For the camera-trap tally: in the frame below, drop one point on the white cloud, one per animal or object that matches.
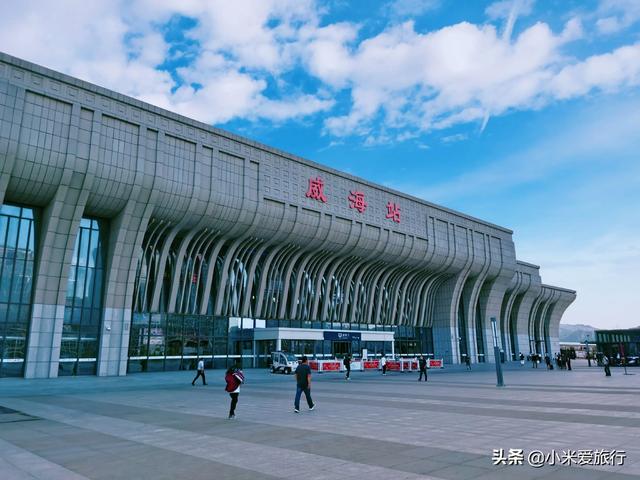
(610, 71)
(401, 82)
(437, 79)
(503, 9)
(119, 45)
(412, 8)
(617, 15)
(509, 10)
(458, 137)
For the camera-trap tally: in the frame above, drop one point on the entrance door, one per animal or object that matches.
(340, 349)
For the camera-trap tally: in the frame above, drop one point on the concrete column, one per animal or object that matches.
(58, 232)
(9, 132)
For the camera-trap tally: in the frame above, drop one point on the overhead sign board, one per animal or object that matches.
(342, 336)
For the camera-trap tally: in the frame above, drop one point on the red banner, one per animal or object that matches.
(371, 364)
(433, 363)
(330, 366)
(393, 365)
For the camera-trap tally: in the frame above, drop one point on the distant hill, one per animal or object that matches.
(576, 333)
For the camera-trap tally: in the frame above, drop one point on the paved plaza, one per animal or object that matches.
(158, 426)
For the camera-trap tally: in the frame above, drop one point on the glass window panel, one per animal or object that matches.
(84, 293)
(157, 335)
(82, 246)
(12, 314)
(174, 335)
(86, 368)
(5, 284)
(14, 347)
(93, 249)
(12, 236)
(98, 280)
(190, 336)
(71, 286)
(139, 335)
(220, 346)
(28, 281)
(13, 369)
(23, 316)
(88, 347)
(88, 287)
(69, 347)
(18, 277)
(78, 291)
(10, 210)
(3, 233)
(23, 236)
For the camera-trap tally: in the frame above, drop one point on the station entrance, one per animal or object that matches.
(339, 348)
(321, 344)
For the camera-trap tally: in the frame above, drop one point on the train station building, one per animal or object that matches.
(134, 239)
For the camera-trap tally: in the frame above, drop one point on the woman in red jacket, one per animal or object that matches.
(234, 379)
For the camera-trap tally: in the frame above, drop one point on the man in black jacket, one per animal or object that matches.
(347, 364)
(423, 368)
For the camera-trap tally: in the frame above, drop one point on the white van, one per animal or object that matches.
(283, 362)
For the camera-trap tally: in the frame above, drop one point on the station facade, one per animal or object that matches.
(134, 239)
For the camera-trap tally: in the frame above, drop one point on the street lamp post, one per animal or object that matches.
(496, 353)
(586, 348)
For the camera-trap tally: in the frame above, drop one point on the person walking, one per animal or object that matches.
(521, 359)
(605, 362)
(589, 359)
(534, 359)
(234, 378)
(568, 362)
(383, 363)
(467, 361)
(347, 364)
(547, 361)
(200, 373)
(303, 381)
(422, 363)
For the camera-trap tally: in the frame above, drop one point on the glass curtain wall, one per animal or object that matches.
(479, 335)
(83, 306)
(462, 332)
(161, 341)
(17, 252)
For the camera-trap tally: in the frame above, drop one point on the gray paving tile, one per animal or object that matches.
(157, 426)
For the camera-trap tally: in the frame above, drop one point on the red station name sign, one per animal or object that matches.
(355, 198)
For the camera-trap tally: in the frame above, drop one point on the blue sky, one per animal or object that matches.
(522, 113)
